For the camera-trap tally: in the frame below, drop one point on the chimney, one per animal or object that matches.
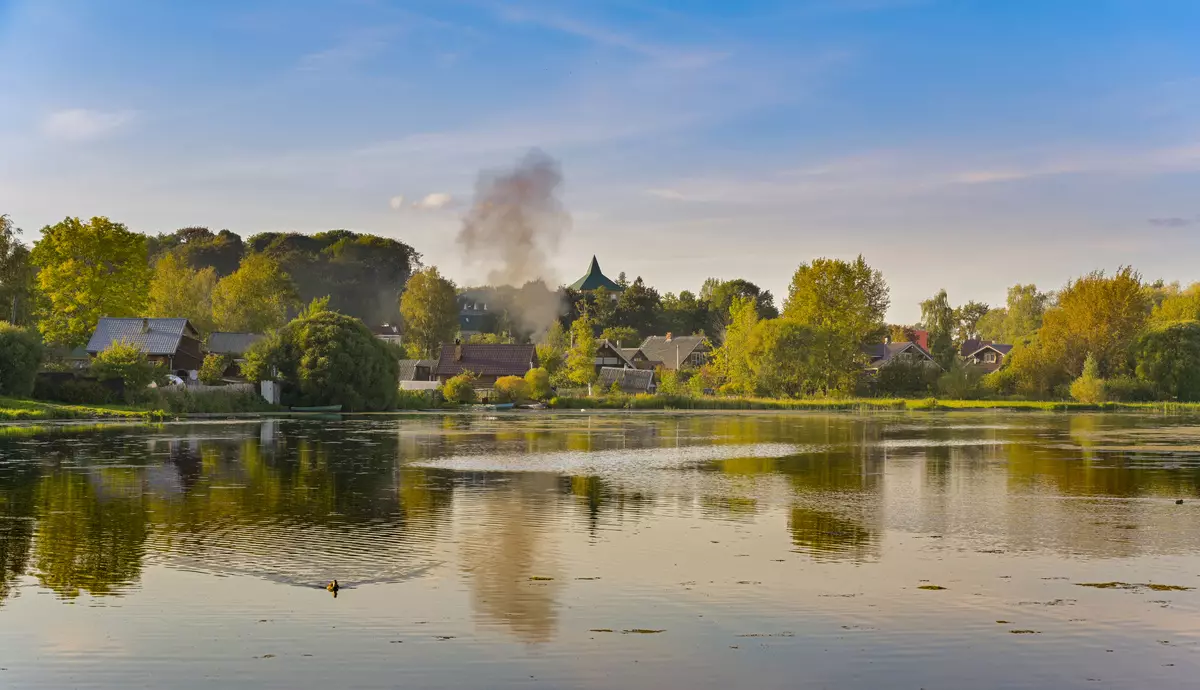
(457, 350)
(145, 325)
(668, 338)
(887, 340)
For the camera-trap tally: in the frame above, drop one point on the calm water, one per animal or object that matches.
(765, 551)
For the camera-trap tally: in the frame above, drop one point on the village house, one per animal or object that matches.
(487, 361)
(389, 333)
(882, 354)
(638, 359)
(985, 354)
(234, 346)
(627, 379)
(174, 343)
(677, 352)
(417, 374)
(609, 355)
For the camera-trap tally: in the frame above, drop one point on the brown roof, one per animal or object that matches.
(881, 354)
(487, 360)
(678, 348)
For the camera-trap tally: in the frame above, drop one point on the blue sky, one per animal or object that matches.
(963, 144)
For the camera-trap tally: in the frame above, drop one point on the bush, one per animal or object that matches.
(73, 389)
(416, 400)
(128, 363)
(182, 399)
(460, 389)
(213, 369)
(537, 382)
(327, 358)
(960, 382)
(901, 379)
(1128, 389)
(20, 356)
(1168, 358)
(511, 389)
(1089, 387)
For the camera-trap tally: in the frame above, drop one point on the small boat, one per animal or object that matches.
(317, 408)
(502, 406)
(492, 407)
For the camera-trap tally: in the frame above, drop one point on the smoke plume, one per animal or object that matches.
(514, 224)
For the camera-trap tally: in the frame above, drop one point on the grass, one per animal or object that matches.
(12, 409)
(671, 402)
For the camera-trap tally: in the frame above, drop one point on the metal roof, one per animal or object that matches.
(628, 379)
(408, 368)
(671, 352)
(152, 336)
(594, 279)
(223, 343)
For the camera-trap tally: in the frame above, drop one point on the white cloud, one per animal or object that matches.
(435, 201)
(396, 202)
(81, 124)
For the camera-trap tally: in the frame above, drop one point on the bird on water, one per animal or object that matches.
(1179, 501)
(333, 587)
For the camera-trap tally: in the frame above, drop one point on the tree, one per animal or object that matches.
(491, 339)
(17, 276)
(511, 389)
(621, 336)
(937, 317)
(1089, 387)
(906, 379)
(1098, 316)
(733, 361)
(178, 290)
(581, 359)
(255, 298)
(20, 356)
(991, 326)
(638, 308)
(784, 359)
(212, 370)
(200, 248)
(601, 308)
(88, 270)
(967, 318)
(537, 382)
(429, 307)
(719, 295)
(902, 334)
(1167, 357)
(328, 359)
(1181, 306)
(1025, 310)
(128, 363)
(683, 314)
(552, 351)
(460, 389)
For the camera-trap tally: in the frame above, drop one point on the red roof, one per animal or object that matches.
(487, 360)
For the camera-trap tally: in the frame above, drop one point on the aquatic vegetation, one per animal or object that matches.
(1025, 632)
(536, 578)
(931, 587)
(601, 630)
(1130, 585)
(641, 631)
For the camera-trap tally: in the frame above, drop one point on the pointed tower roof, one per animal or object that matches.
(595, 279)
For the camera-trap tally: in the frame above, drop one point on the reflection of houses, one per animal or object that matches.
(676, 352)
(173, 342)
(628, 379)
(594, 279)
(882, 354)
(488, 362)
(233, 346)
(984, 353)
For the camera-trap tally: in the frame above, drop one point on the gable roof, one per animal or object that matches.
(630, 352)
(612, 347)
(152, 336)
(973, 346)
(408, 368)
(487, 360)
(627, 379)
(223, 343)
(883, 353)
(657, 348)
(594, 279)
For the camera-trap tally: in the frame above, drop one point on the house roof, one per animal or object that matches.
(594, 279)
(227, 343)
(882, 353)
(487, 360)
(152, 336)
(630, 352)
(386, 329)
(974, 345)
(408, 367)
(659, 349)
(627, 379)
(618, 351)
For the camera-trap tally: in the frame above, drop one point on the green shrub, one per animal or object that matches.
(74, 389)
(1168, 358)
(1128, 389)
(128, 363)
(1089, 387)
(537, 383)
(460, 389)
(213, 369)
(20, 356)
(182, 399)
(906, 379)
(511, 389)
(327, 358)
(960, 382)
(416, 400)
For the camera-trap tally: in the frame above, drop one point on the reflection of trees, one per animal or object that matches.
(17, 508)
(824, 535)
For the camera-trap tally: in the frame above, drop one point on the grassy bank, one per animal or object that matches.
(12, 409)
(664, 402)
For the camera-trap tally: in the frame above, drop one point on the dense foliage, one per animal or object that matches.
(128, 363)
(537, 383)
(255, 298)
(1167, 359)
(460, 389)
(327, 358)
(213, 369)
(20, 356)
(511, 389)
(429, 309)
(178, 290)
(16, 276)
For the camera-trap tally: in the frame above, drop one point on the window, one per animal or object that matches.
(989, 357)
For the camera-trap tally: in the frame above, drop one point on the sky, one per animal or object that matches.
(958, 144)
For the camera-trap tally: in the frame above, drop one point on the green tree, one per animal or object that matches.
(683, 314)
(88, 270)
(621, 336)
(429, 307)
(537, 382)
(733, 361)
(460, 389)
(491, 339)
(1026, 307)
(991, 326)
(200, 248)
(328, 359)
(127, 362)
(784, 360)
(178, 290)
(1099, 316)
(212, 370)
(601, 308)
(1089, 387)
(1167, 357)
(967, 318)
(906, 379)
(20, 356)
(255, 298)
(511, 389)
(1180, 306)
(17, 276)
(638, 308)
(719, 296)
(581, 359)
(937, 317)
(552, 351)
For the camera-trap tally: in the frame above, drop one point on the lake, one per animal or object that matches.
(900, 550)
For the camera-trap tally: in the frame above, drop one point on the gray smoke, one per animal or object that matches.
(515, 222)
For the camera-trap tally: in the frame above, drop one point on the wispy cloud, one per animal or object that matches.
(1171, 222)
(81, 124)
(435, 201)
(396, 202)
(353, 48)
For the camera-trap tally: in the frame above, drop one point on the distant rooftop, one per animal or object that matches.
(594, 279)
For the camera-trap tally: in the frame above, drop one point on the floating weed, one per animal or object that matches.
(1004, 622)
(1133, 585)
(600, 630)
(1167, 588)
(641, 631)
(785, 633)
(536, 578)
(1025, 632)
(587, 578)
(444, 637)
(931, 587)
